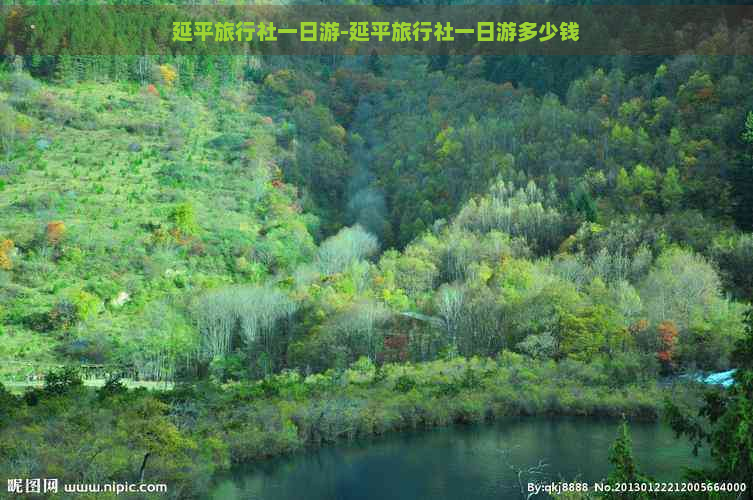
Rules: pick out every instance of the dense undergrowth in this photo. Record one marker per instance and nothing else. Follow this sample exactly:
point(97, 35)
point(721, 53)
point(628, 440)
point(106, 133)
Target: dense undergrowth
point(195, 430)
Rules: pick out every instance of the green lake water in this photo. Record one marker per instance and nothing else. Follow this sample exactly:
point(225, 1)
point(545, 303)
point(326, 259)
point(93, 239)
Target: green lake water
point(459, 462)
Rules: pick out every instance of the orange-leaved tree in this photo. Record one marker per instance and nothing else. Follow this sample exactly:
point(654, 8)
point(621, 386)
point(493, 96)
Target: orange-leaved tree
point(668, 335)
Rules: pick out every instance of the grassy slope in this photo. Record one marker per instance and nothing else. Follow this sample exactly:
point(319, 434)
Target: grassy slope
point(111, 199)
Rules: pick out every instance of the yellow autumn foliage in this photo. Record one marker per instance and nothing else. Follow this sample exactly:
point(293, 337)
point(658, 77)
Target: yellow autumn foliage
point(6, 247)
point(168, 74)
point(54, 232)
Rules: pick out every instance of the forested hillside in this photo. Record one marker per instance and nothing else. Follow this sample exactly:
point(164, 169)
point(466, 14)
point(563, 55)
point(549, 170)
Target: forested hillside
point(615, 207)
point(311, 236)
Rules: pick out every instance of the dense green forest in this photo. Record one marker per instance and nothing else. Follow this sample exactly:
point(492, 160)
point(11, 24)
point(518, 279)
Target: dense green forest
point(248, 255)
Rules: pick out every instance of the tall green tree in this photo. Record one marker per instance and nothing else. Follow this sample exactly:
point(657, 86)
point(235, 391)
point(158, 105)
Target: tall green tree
point(743, 178)
point(624, 468)
point(725, 421)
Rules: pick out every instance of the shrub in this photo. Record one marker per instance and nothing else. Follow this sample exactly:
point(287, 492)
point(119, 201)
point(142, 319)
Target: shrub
point(404, 383)
point(55, 232)
point(470, 378)
point(88, 350)
point(61, 381)
point(229, 367)
point(184, 218)
point(21, 84)
point(628, 368)
point(8, 129)
point(87, 305)
point(179, 175)
point(168, 74)
point(45, 105)
point(113, 387)
point(228, 142)
point(8, 404)
point(62, 317)
point(6, 247)
point(541, 346)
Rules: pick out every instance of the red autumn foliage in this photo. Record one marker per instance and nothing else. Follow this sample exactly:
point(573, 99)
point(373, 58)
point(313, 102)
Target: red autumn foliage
point(668, 334)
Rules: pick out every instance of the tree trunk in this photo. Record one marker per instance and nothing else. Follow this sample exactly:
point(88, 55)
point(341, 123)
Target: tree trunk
point(143, 466)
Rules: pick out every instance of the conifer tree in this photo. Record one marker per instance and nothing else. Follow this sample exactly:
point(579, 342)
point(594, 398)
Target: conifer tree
point(724, 421)
point(625, 469)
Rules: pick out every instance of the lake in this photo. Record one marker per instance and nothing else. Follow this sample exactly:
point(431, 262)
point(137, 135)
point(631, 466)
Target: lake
point(459, 462)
